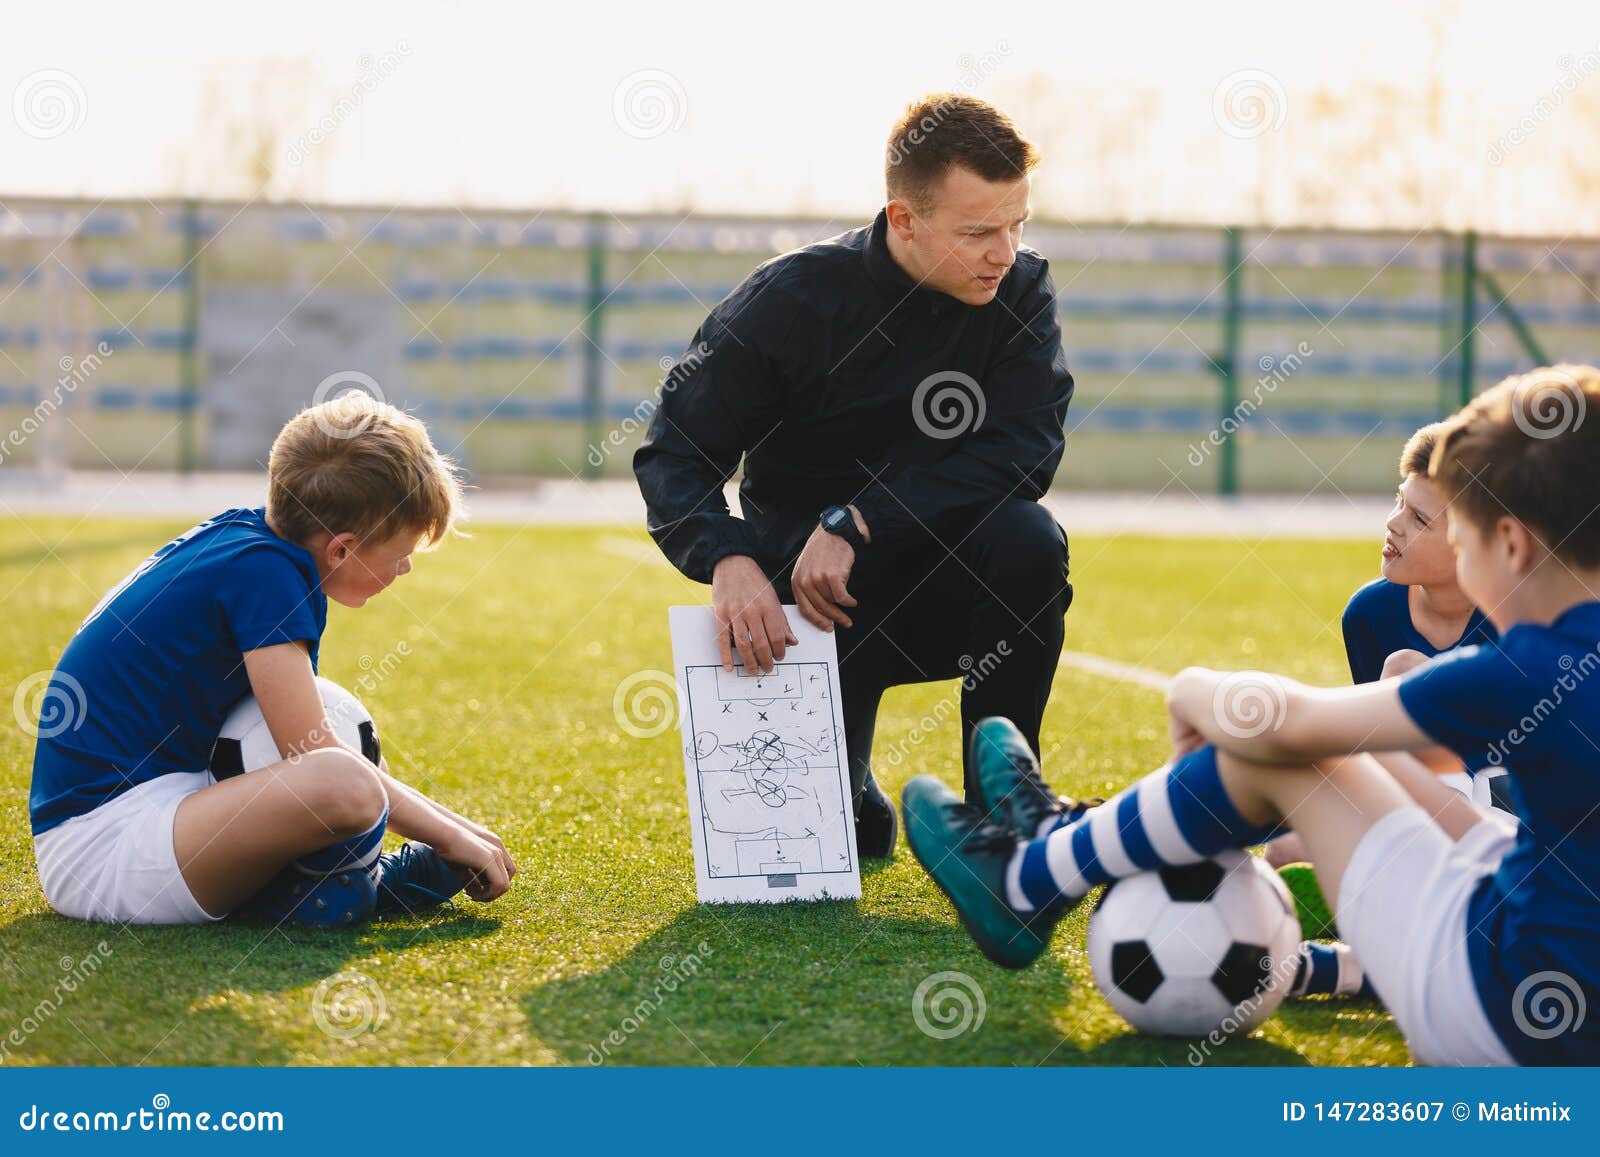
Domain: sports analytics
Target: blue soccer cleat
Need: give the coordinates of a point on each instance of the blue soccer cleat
(338, 900)
(413, 879)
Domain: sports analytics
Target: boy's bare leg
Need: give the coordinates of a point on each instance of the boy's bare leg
(233, 837)
(1455, 814)
(1285, 850)
(1331, 805)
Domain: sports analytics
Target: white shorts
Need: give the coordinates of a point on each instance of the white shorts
(116, 864)
(1403, 908)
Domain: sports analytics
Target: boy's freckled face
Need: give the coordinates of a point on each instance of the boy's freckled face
(1416, 550)
(355, 571)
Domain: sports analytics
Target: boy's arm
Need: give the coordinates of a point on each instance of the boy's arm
(286, 688)
(1273, 719)
(436, 825)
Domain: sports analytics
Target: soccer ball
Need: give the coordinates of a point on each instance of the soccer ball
(246, 744)
(1199, 949)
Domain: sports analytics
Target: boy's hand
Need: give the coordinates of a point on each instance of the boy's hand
(1402, 661)
(1184, 737)
(485, 867)
(1189, 687)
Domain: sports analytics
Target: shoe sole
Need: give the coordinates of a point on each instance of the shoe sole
(284, 914)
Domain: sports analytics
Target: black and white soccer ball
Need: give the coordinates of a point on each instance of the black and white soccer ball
(1188, 951)
(245, 743)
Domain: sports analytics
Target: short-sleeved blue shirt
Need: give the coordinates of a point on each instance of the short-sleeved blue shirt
(1531, 702)
(144, 685)
(1377, 623)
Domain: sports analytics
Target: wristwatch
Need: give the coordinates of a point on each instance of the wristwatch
(838, 520)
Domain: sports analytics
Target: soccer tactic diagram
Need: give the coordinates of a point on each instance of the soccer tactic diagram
(768, 782)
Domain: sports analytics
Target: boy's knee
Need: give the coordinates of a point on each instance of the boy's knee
(349, 795)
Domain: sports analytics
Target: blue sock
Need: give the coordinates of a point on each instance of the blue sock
(358, 853)
(1175, 815)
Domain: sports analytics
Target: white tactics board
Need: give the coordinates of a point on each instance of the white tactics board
(769, 785)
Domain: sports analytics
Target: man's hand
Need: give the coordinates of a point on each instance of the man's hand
(748, 614)
(820, 575)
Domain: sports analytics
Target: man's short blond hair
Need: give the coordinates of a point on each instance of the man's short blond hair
(355, 464)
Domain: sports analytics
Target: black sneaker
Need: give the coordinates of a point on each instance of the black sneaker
(1014, 790)
(876, 824)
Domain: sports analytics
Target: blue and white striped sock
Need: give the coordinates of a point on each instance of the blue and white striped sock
(358, 853)
(1329, 970)
(1179, 814)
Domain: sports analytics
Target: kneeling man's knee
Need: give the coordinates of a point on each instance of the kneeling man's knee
(1022, 542)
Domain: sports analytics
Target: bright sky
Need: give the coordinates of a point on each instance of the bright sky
(724, 107)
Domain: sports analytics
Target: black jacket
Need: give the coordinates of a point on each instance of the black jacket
(839, 379)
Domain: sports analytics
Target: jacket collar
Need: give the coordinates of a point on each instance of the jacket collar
(887, 274)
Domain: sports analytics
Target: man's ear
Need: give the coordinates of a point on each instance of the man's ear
(899, 215)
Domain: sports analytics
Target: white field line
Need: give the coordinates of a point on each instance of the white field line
(1111, 669)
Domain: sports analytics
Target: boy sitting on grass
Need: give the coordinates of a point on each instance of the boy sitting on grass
(1415, 604)
(128, 824)
(1414, 611)
(1473, 927)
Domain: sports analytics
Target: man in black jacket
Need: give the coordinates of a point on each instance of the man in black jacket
(897, 396)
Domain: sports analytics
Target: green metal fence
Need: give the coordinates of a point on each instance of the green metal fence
(1229, 360)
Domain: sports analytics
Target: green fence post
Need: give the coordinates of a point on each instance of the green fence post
(1445, 371)
(1514, 318)
(188, 367)
(1228, 367)
(594, 334)
(1469, 320)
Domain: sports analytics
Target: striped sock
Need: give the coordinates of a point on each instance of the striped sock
(1176, 815)
(1329, 970)
(358, 853)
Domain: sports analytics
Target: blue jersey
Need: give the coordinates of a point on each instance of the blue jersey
(143, 687)
(1377, 623)
(1532, 702)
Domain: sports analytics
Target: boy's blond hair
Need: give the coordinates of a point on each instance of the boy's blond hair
(1529, 448)
(1419, 450)
(356, 464)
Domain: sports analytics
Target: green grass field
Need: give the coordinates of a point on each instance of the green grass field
(500, 703)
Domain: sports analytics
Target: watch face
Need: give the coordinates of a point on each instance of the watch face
(836, 517)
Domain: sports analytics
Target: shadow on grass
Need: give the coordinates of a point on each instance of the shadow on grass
(77, 993)
(800, 984)
(1133, 1048)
